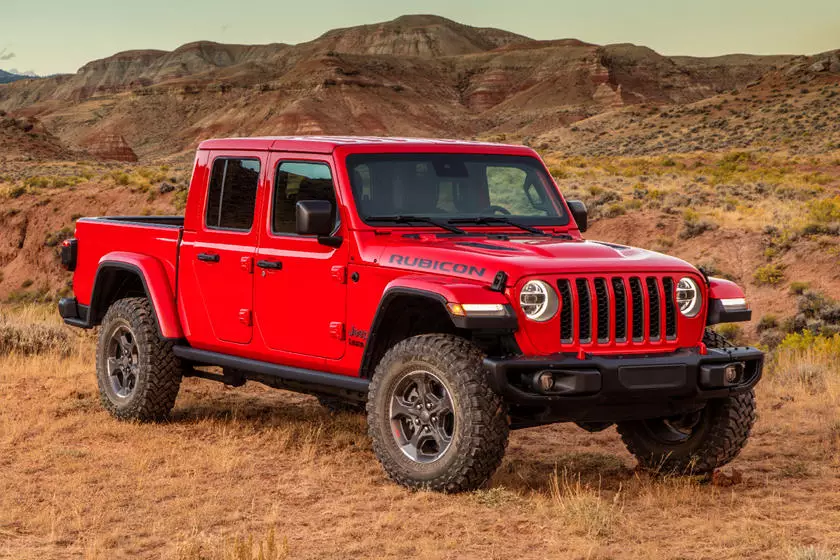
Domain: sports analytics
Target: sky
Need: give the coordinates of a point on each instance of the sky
(58, 36)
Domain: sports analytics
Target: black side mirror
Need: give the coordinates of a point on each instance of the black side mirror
(579, 213)
(314, 217)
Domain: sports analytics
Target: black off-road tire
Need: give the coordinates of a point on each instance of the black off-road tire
(481, 423)
(340, 406)
(158, 371)
(721, 432)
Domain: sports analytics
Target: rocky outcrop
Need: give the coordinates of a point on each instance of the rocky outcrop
(111, 147)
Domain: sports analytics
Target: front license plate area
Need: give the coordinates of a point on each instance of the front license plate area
(636, 378)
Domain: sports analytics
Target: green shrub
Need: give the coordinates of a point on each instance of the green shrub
(179, 199)
(824, 211)
(798, 288)
(807, 340)
(559, 172)
(769, 275)
(614, 210)
(730, 331)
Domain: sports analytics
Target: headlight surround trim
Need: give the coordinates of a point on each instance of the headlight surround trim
(538, 301)
(689, 297)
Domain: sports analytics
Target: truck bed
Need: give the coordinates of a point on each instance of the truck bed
(103, 238)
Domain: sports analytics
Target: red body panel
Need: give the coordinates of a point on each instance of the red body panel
(724, 289)
(151, 249)
(305, 314)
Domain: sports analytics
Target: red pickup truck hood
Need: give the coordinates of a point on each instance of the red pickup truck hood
(482, 258)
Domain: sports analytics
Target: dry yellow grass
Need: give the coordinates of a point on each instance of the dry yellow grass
(256, 473)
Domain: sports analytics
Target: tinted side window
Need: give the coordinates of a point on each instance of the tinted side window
(299, 181)
(232, 194)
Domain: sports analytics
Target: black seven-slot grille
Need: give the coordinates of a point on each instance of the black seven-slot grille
(604, 310)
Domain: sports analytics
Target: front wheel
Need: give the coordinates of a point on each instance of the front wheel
(434, 421)
(695, 443)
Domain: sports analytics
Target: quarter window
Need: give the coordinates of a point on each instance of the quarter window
(299, 181)
(232, 194)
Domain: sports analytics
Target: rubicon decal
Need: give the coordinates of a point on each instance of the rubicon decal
(442, 266)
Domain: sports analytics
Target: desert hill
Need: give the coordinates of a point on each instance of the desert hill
(732, 161)
(415, 75)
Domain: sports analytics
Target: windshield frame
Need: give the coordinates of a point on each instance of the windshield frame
(528, 163)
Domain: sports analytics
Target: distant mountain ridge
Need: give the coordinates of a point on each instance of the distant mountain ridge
(9, 77)
(420, 75)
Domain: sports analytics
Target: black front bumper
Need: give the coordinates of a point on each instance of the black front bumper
(616, 388)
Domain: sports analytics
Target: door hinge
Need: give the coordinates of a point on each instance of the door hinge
(339, 273)
(245, 317)
(337, 330)
(247, 264)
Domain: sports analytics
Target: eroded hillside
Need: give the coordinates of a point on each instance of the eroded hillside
(415, 75)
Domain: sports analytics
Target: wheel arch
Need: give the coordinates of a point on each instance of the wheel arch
(407, 310)
(399, 309)
(121, 275)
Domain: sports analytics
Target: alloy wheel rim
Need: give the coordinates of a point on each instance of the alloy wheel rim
(422, 416)
(123, 363)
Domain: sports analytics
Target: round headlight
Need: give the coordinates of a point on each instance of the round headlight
(538, 300)
(689, 299)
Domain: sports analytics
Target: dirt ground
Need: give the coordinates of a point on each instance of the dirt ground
(240, 471)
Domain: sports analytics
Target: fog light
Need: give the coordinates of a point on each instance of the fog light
(731, 374)
(545, 381)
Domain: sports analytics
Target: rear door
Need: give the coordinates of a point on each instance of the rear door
(217, 259)
(300, 283)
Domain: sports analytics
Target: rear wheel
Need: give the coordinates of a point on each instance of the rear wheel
(138, 374)
(433, 418)
(698, 442)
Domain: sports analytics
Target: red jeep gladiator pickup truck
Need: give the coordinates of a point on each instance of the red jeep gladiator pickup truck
(443, 285)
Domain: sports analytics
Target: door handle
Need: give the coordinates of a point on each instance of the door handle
(274, 265)
(209, 257)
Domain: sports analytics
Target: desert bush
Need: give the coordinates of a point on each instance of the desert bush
(769, 275)
(798, 288)
(816, 305)
(121, 178)
(767, 322)
(559, 172)
(19, 337)
(613, 210)
(771, 338)
(693, 225)
(807, 361)
(823, 216)
(809, 341)
(179, 199)
(56, 237)
(731, 331)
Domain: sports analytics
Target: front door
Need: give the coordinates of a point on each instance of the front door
(219, 255)
(300, 282)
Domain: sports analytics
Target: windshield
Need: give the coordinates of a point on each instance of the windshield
(454, 187)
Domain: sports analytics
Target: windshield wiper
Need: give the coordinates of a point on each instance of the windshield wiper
(403, 219)
(487, 220)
